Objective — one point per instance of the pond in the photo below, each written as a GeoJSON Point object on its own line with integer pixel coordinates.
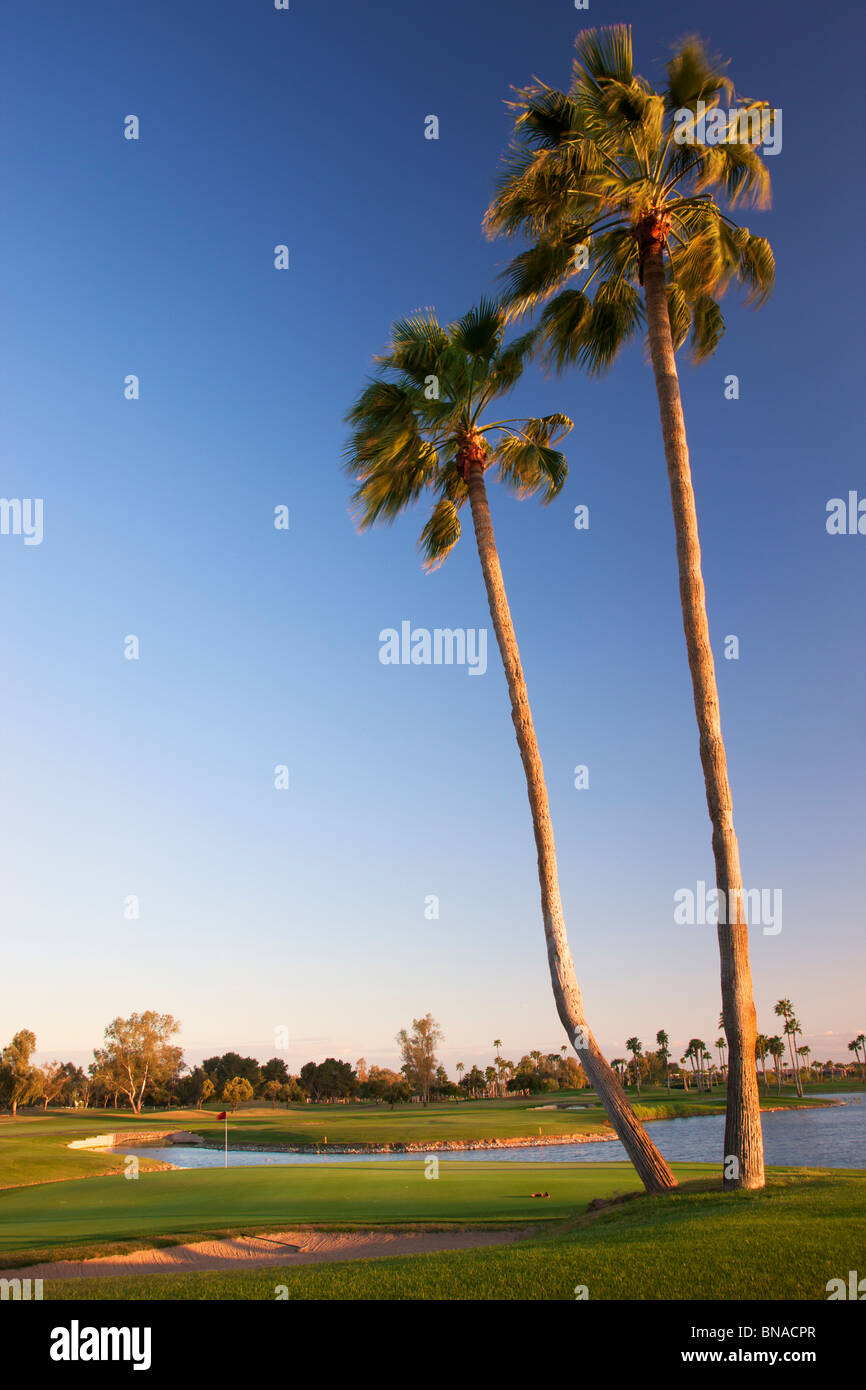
{"type": "Point", "coordinates": [834, 1137]}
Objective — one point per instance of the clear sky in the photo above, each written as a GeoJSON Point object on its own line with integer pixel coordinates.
{"type": "Point", "coordinates": [305, 908]}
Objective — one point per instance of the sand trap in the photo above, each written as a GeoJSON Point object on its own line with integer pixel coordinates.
{"type": "Point", "coordinates": [283, 1248]}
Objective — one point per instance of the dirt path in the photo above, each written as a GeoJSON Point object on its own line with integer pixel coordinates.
{"type": "Point", "coordinates": [251, 1252]}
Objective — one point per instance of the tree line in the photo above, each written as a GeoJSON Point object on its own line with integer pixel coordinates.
{"type": "Point", "coordinates": [139, 1065]}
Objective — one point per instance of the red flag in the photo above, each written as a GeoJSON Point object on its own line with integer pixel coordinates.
{"type": "Point", "coordinates": [222, 1115]}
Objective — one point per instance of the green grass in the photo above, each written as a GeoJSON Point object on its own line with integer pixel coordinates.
{"type": "Point", "coordinates": [33, 1147]}
{"type": "Point", "coordinates": [62, 1221]}
{"type": "Point", "coordinates": [784, 1242]}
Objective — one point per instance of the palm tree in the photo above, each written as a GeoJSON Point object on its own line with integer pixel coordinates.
{"type": "Point", "coordinates": [785, 1009]}
{"type": "Point", "coordinates": [706, 1058]}
{"type": "Point", "coordinates": [805, 1052]}
{"type": "Point", "coordinates": [854, 1046]}
{"type": "Point", "coordinates": [664, 1045]}
{"type": "Point", "coordinates": [598, 180]}
{"type": "Point", "coordinates": [776, 1049]}
{"type": "Point", "coordinates": [761, 1051]}
{"type": "Point", "coordinates": [422, 423]}
{"type": "Point", "coordinates": [619, 1065]}
{"type": "Point", "coordinates": [721, 1044]}
{"type": "Point", "coordinates": [497, 1042]}
{"type": "Point", "coordinates": [696, 1051]}
{"type": "Point", "coordinates": [635, 1047]}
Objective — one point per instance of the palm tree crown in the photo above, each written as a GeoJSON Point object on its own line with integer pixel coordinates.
{"type": "Point", "coordinates": [422, 423]}
{"type": "Point", "coordinates": [600, 175]}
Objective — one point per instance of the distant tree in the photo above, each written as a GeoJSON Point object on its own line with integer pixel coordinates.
{"type": "Point", "coordinates": [635, 1047]}
{"type": "Point", "coordinates": [17, 1073]}
{"type": "Point", "coordinates": [361, 1069]}
{"type": "Point", "coordinates": [291, 1092]}
{"type": "Point", "coordinates": [695, 1053]}
{"type": "Point", "coordinates": [664, 1052]}
{"type": "Point", "coordinates": [274, 1070]}
{"type": "Point", "coordinates": [273, 1092]}
{"type": "Point", "coordinates": [526, 1081]}
{"type": "Point", "coordinates": [473, 1082]}
{"type": "Point", "coordinates": [776, 1049]}
{"type": "Point", "coordinates": [330, 1080]}
{"type": "Point", "coordinates": [854, 1046]}
{"type": "Point", "coordinates": [418, 1050]}
{"type": "Point", "coordinates": [785, 1009]}
{"type": "Point", "coordinates": [207, 1090]}
{"type": "Point", "coordinates": [236, 1090]}
{"type": "Point", "coordinates": [140, 1052]}
{"type": "Point", "coordinates": [398, 1093]}
{"type": "Point", "coordinates": [230, 1064]}
{"type": "Point", "coordinates": [761, 1053]}
{"type": "Point", "coordinates": [50, 1082]}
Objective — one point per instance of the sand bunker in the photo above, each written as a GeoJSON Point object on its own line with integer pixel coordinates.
{"type": "Point", "coordinates": [282, 1248]}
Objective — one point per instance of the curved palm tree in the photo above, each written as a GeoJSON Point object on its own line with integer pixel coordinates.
{"type": "Point", "coordinates": [599, 181]}
{"type": "Point", "coordinates": [422, 424]}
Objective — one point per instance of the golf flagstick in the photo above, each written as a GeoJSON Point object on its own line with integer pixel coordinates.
{"type": "Point", "coordinates": [223, 1115]}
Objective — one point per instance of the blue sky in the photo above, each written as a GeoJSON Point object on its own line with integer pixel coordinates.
{"type": "Point", "coordinates": [305, 908]}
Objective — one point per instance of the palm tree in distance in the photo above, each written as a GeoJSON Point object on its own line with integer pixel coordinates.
{"type": "Point", "coordinates": [422, 425]}
{"type": "Point", "coordinates": [854, 1046]}
{"type": "Point", "coordinates": [612, 183]}
{"type": "Point", "coordinates": [635, 1047]}
{"type": "Point", "coordinates": [776, 1049]}
{"type": "Point", "coordinates": [761, 1051]}
{"type": "Point", "coordinates": [783, 1008]}
{"type": "Point", "coordinates": [664, 1047]}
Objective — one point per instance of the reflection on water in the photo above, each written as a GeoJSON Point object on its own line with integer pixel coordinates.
{"type": "Point", "coordinates": [831, 1138]}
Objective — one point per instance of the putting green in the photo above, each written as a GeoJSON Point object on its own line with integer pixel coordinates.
{"type": "Point", "coordinates": [61, 1217]}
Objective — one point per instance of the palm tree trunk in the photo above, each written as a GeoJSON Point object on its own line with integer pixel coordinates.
{"type": "Point", "coordinates": [652, 1169]}
{"type": "Point", "coordinates": [743, 1136]}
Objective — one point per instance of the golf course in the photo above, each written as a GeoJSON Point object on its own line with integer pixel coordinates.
{"type": "Point", "coordinates": [589, 1226]}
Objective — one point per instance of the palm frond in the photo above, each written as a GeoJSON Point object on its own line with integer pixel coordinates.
{"type": "Point", "coordinates": [440, 535]}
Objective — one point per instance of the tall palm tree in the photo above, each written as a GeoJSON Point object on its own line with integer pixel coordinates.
{"type": "Point", "coordinates": [635, 1047]}
{"type": "Point", "coordinates": [721, 1045]}
{"type": "Point", "coordinates": [854, 1046]}
{"type": "Point", "coordinates": [599, 181]}
{"type": "Point", "coordinates": [761, 1052]}
{"type": "Point", "coordinates": [664, 1046]}
{"type": "Point", "coordinates": [422, 424]}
